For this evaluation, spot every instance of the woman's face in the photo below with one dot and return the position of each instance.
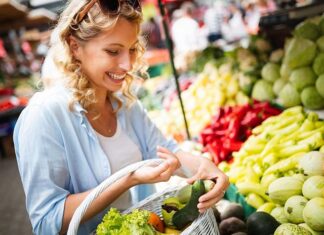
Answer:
(107, 58)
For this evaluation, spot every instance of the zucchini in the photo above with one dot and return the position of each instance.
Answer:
(189, 212)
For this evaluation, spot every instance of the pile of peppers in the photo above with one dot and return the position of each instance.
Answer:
(231, 126)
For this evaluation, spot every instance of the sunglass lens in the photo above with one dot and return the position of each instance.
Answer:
(135, 3)
(111, 6)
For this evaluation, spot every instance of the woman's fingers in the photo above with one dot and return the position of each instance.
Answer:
(202, 206)
(173, 161)
(217, 191)
(163, 150)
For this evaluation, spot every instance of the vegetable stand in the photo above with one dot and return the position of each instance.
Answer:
(205, 224)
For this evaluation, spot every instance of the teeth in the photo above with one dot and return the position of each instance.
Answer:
(117, 77)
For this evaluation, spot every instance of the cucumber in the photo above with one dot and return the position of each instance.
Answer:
(190, 211)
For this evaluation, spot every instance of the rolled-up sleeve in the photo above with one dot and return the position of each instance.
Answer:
(150, 133)
(43, 168)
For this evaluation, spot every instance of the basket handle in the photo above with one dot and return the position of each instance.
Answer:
(80, 211)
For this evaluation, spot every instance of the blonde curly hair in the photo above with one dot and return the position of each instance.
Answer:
(93, 23)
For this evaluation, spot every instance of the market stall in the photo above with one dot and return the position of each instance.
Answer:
(256, 110)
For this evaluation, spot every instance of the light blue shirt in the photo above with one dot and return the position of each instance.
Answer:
(58, 154)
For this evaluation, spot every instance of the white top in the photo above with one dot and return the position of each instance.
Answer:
(121, 152)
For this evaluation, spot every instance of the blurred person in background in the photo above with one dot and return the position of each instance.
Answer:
(152, 33)
(213, 19)
(185, 30)
(72, 137)
(251, 17)
(186, 35)
(234, 28)
(266, 6)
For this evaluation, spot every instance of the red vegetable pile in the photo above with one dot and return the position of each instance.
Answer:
(231, 126)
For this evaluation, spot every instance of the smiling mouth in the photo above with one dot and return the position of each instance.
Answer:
(117, 76)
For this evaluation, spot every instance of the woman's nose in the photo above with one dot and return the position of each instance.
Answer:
(126, 62)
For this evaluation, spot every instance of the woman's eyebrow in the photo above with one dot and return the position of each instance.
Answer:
(121, 45)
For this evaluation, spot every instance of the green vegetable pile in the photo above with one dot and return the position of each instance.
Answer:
(135, 223)
(298, 79)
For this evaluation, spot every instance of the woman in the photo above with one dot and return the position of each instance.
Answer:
(74, 135)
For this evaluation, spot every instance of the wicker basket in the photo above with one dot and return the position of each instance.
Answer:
(205, 224)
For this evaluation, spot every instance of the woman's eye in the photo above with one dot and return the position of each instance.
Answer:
(132, 50)
(112, 52)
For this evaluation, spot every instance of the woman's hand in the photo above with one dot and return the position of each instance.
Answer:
(152, 174)
(208, 170)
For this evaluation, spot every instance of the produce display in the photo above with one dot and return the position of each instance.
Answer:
(211, 90)
(280, 170)
(256, 113)
(296, 76)
(231, 126)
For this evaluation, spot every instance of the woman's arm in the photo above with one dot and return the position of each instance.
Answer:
(147, 174)
(100, 203)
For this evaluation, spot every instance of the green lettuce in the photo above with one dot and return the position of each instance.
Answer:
(135, 223)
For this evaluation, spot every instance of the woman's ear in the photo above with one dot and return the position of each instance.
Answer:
(75, 47)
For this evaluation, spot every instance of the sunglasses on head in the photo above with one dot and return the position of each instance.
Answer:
(111, 7)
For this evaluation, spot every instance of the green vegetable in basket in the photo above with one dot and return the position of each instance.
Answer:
(134, 223)
(190, 212)
(169, 207)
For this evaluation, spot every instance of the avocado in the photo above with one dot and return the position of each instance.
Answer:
(190, 211)
(261, 223)
(232, 210)
(231, 225)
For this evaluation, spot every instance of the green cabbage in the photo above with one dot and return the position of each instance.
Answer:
(321, 26)
(307, 30)
(311, 99)
(276, 56)
(262, 91)
(318, 64)
(246, 83)
(320, 43)
(300, 52)
(314, 187)
(270, 72)
(285, 71)
(314, 214)
(278, 85)
(320, 85)
(289, 96)
(302, 77)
